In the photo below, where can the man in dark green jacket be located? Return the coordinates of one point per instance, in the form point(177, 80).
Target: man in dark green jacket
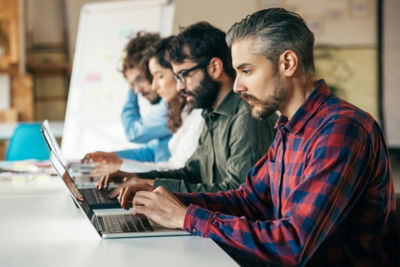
point(232, 140)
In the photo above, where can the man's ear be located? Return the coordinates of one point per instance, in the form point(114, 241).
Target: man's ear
point(215, 68)
point(288, 63)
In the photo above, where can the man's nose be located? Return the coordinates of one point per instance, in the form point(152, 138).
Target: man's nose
point(238, 87)
point(180, 86)
point(137, 89)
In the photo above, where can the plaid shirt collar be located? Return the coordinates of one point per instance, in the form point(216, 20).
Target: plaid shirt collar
point(306, 110)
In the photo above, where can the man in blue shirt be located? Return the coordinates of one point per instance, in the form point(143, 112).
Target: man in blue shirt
point(144, 113)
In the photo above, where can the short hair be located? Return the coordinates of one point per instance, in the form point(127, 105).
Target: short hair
point(199, 42)
point(135, 52)
point(274, 31)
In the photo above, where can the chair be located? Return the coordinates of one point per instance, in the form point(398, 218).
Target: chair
point(27, 143)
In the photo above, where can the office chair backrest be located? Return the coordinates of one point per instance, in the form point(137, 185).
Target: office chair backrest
point(27, 143)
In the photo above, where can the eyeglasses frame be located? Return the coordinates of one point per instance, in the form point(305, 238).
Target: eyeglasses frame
point(181, 76)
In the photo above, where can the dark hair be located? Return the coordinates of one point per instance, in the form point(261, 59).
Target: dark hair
point(174, 115)
point(160, 52)
point(199, 42)
point(274, 31)
point(135, 52)
point(176, 105)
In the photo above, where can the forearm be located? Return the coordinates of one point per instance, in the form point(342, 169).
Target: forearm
point(181, 185)
point(243, 201)
point(256, 239)
point(139, 154)
point(139, 166)
point(171, 174)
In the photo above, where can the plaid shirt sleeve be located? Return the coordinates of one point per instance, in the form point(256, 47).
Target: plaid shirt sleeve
point(338, 166)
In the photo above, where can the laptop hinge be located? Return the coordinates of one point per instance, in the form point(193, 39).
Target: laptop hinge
point(99, 223)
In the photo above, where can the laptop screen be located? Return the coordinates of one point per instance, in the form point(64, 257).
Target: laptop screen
point(79, 199)
point(51, 141)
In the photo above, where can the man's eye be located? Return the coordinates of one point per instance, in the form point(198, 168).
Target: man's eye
point(246, 72)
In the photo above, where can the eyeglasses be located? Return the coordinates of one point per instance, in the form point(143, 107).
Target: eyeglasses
point(181, 76)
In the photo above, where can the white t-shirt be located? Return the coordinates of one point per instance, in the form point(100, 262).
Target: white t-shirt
point(181, 146)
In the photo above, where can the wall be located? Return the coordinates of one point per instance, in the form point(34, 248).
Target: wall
point(349, 25)
point(44, 20)
point(221, 13)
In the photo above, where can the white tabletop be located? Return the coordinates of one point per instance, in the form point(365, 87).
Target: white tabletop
point(7, 129)
point(40, 226)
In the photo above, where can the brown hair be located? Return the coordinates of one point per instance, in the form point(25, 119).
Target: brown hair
point(175, 108)
point(135, 52)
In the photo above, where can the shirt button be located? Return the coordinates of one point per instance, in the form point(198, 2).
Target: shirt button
point(193, 230)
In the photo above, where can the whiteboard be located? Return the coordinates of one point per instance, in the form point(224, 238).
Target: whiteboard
point(98, 90)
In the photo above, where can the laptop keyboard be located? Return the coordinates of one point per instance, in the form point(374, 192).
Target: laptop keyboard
point(93, 195)
point(125, 223)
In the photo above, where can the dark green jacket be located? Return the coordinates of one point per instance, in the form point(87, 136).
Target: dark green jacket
point(230, 144)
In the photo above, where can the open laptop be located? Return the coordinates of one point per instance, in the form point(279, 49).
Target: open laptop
point(80, 171)
point(97, 199)
point(115, 225)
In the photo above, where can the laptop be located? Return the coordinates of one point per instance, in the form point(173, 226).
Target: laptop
point(97, 199)
point(80, 171)
point(112, 225)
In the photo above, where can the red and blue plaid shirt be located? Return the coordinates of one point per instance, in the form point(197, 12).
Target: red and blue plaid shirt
point(323, 193)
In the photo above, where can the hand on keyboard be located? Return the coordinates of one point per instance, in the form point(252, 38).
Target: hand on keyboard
point(117, 176)
point(133, 181)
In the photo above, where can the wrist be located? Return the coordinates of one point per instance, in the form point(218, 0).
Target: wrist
point(181, 217)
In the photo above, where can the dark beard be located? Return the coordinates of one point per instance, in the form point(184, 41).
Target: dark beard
point(204, 94)
point(155, 100)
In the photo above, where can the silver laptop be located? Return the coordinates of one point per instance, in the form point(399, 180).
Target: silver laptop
point(115, 225)
point(80, 171)
point(97, 199)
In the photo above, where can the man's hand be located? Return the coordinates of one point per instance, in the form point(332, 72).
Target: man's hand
point(103, 157)
point(117, 176)
point(128, 189)
point(127, 193)
point(128, 182)
point(160, 206)
point(103, 169)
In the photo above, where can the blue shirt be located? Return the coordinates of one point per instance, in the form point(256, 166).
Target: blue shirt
point(145, 123)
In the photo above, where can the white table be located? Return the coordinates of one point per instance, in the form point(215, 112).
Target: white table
point(40, 226)
point(7, 129)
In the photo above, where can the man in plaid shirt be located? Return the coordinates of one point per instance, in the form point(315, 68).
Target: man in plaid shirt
point(322, 195)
